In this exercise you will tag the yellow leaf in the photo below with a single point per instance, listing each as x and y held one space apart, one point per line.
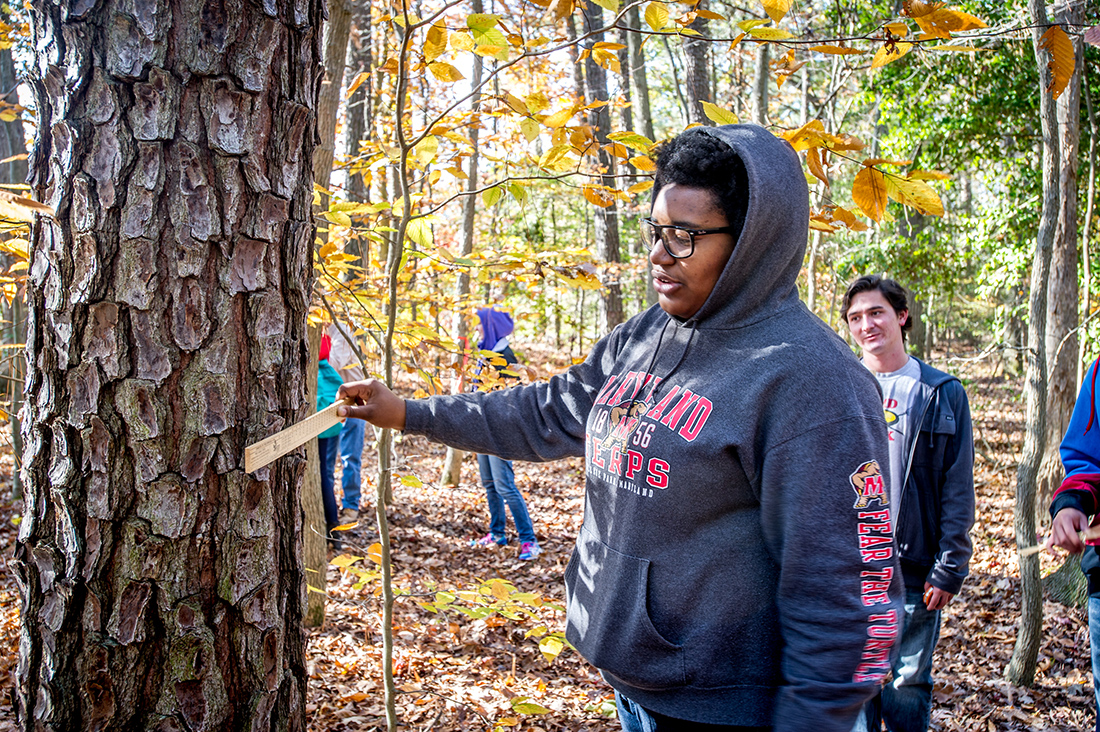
390 67
609 46
327 250
445 72
462 41
640 187
641 162
374 553
515 103
928 175
552 157
937 21
529 128
806 136
612 5
776 9
420 231
618 150
344 560
915 194
411 481
492 195
869 193
435 42
709 15
633 140
607 59
357 82
718 115
426 150
769 34
536 102
837 50
1062 58
551 646
813 162
898 29
890 53
560 118
885 161
656 15
560 9
748 25
819 225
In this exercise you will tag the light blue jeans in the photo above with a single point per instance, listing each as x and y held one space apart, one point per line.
905 704
500 489
1094 644
635 718
351 461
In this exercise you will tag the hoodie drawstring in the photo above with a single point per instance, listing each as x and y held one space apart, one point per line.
1092 395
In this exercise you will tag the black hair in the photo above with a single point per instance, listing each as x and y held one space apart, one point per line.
697 159
893 292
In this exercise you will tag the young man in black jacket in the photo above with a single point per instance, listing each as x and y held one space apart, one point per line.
931 490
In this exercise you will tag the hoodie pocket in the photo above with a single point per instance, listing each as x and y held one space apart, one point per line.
608 622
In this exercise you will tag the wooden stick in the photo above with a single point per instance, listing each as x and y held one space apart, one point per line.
274 447
1092 532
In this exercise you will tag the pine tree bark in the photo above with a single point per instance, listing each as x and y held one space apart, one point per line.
161 586
606 225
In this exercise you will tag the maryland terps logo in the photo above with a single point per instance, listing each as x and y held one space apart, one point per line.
868 483
624 419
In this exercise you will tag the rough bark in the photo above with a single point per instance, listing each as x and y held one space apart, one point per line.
1083 359
160 584
452 461
697 68
1021 667
606 225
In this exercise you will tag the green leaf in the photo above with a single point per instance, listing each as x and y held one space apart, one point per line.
523 705
718 115
482 21
420 231
633 140
518 192
492 195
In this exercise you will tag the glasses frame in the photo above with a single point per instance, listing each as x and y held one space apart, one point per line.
692 233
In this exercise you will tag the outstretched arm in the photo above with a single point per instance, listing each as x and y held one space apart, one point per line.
374 402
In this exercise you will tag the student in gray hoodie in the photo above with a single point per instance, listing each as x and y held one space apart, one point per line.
736 565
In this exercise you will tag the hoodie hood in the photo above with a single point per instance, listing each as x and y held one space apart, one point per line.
495 325
761 274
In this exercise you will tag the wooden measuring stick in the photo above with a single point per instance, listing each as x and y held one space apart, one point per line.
271 448
1092 532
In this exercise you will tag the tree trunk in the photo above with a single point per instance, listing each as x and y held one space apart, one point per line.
452 462
697 68
644 117
359 104
1021 667
606 227
337 32
760 78
161 586
1062 286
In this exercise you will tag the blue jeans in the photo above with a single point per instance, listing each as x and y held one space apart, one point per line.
351 460
905 704
500 488
635 718
1094 644
326 450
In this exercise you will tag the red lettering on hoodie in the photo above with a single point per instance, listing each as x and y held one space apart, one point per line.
698 418
601 398
658 410
658 473
673 418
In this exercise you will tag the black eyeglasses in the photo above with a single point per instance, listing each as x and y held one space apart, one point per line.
678 241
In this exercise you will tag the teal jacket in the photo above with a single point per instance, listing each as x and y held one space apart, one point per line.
328 383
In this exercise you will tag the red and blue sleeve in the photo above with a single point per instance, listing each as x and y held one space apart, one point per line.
1080 451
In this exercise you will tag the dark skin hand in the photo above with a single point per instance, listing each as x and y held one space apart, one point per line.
373 402
1065 531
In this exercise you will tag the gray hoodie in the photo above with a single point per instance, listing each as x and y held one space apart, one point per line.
736 563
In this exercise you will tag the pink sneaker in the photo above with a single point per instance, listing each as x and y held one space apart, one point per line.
528 550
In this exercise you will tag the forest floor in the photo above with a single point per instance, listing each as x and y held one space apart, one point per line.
466 668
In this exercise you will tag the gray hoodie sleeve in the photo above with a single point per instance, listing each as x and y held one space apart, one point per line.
536 422
826 524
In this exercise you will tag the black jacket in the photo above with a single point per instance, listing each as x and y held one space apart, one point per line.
937 501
